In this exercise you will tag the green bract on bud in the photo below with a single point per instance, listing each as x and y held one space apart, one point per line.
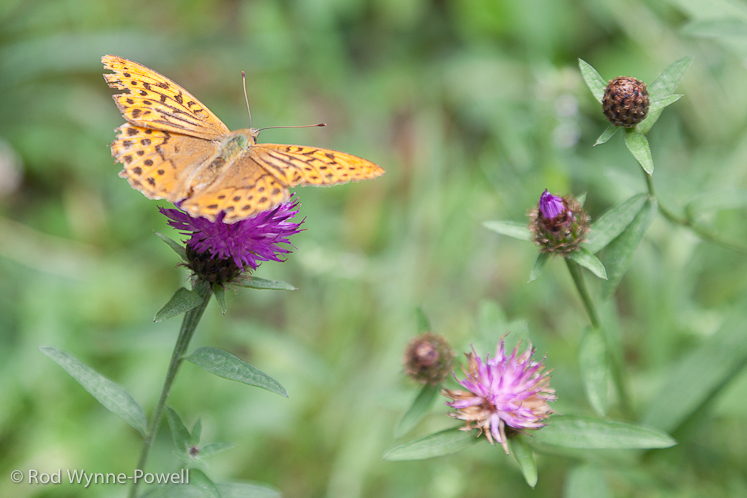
428 358
559 224
625 101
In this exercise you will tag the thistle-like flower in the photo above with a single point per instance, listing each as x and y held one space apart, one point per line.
502 391
559 224
428 358
218 252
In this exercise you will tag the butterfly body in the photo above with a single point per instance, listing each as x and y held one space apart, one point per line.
174 148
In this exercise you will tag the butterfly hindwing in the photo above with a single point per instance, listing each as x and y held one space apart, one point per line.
159 163
296 165
154 101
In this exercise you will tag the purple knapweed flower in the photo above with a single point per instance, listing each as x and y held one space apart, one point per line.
247 242
559 224
502 391
550 206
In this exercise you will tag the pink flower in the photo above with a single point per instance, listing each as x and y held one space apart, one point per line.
502 391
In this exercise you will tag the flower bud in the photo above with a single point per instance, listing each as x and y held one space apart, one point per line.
428 358
625 101
559 224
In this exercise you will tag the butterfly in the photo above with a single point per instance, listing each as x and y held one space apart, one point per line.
173 147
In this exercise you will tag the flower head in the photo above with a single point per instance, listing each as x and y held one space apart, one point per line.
428 358
559 224
625 101
502 391
242 245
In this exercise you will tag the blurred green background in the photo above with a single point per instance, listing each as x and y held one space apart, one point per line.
473 107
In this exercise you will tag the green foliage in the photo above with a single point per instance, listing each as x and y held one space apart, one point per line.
182 301
596 433
441 443
419 409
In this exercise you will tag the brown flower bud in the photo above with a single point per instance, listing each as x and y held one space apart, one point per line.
428 358
625 101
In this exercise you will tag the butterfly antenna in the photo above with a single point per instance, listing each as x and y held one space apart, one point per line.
304 126
243 80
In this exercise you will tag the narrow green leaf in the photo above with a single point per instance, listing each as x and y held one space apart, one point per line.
523 455
607 134
716 201
593 80
182 301
586 481
213 449
248 490
694 380
586 259
439 444
637 144
113 396
595 369
511 228
224 364
664 85
422 321
612 223
539 265
200 481
595 433
729 27
620 251
263 283
176 246
581 199
179 432
220 295
658 105
194 437
419 409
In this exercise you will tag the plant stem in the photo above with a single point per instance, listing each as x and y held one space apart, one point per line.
189 325
688 223
615 362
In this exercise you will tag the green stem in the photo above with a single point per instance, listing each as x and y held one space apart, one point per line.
617 371
688 223
189 325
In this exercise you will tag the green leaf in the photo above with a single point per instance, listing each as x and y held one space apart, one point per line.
607 134
586 259
422 321
595 369
179 432
213 449
220 295
581 199
586 481
224 364
511 228
244 489
729 27
182 301
200 481
694 380
716 201
523 455
539 265
194 438
263 283
176 246
658 105
595 433
612 223
663 86
637 144
439 444
593 80
113 396
620 251
419 409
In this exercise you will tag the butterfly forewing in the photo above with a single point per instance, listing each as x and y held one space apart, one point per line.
296 165
154 101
